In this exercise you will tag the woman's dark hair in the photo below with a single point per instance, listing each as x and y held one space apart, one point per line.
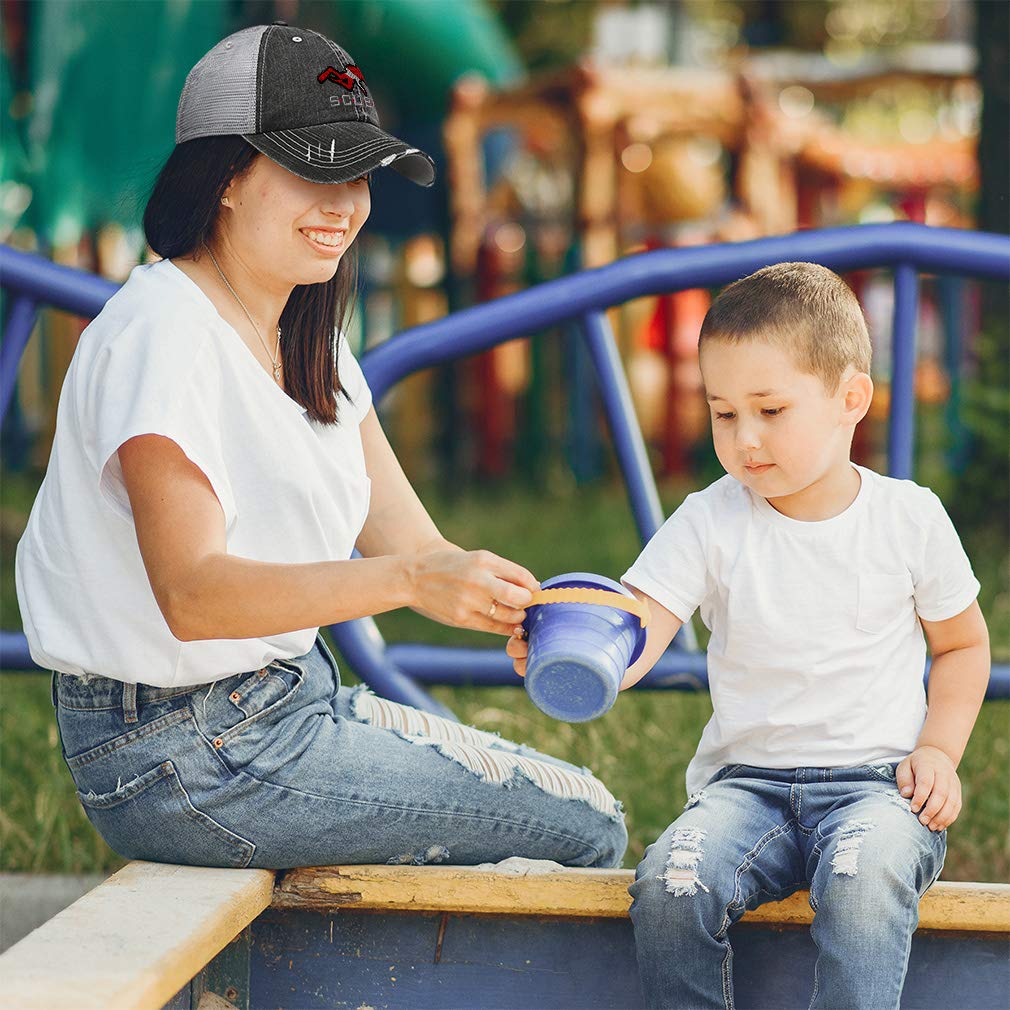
180 215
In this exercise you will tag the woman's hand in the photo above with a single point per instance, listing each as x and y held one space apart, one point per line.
458 588
517 647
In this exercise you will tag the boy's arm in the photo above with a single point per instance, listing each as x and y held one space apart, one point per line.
957 682
660 633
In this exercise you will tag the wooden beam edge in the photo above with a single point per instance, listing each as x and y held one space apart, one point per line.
135 940
947 905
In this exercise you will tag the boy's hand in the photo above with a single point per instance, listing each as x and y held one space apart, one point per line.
517 647
928 776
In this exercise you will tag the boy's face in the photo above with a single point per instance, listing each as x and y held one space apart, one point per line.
798 434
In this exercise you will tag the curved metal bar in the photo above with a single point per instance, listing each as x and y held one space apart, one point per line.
51 283
475 329
364 649
17 330
901 430
459 666
624 427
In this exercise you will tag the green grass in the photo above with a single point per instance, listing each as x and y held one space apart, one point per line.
640 749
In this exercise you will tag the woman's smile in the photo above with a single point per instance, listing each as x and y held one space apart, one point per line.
327 243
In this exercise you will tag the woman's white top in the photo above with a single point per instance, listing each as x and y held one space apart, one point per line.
160 359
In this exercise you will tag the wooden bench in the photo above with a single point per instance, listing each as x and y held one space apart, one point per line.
157 936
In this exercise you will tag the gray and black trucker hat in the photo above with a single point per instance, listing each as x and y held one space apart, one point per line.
298 98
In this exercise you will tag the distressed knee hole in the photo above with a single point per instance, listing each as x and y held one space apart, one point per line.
411 723
506 769
486 755
846 856
681 874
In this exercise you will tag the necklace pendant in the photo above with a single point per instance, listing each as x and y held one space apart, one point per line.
277 373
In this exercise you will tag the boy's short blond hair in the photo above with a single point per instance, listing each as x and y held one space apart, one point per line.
805 309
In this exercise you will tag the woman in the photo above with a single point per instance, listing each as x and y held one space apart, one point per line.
216 460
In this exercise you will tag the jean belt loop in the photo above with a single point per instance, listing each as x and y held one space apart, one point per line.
130 702
52 688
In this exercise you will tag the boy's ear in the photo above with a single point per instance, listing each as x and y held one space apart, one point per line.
858 394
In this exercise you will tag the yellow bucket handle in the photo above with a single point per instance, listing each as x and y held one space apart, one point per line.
600 597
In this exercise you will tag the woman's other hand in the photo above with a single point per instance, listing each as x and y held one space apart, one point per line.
517 647
471 589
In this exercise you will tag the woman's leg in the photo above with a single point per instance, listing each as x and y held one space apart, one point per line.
732 848
267 770
871 862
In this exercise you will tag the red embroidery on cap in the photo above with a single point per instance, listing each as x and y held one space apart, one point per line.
346 78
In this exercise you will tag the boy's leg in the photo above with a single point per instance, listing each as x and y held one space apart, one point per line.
870 861
732 848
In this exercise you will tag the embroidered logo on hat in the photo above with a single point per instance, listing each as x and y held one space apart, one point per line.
347 78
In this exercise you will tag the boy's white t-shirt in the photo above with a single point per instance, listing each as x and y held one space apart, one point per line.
817 656
160 359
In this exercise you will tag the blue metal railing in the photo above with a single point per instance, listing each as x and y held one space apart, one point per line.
397 671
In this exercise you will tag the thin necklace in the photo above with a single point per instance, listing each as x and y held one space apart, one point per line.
275 357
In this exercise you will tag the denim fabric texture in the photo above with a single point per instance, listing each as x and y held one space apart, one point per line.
753 835
284 767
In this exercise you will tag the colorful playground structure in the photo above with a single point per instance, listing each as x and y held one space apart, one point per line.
166 937
606 160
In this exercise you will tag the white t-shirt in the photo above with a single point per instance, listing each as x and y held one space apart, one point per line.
160 359
817 655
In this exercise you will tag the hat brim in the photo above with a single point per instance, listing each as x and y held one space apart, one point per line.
340 152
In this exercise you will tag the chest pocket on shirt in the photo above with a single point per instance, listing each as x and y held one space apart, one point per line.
883 597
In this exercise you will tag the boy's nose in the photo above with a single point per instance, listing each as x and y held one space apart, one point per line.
746 440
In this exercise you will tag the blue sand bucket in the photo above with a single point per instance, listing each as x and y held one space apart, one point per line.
579 651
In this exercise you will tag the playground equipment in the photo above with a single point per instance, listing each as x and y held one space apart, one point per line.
584 632
196 938
398 671
668 156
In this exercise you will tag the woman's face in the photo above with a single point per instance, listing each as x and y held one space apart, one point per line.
271 212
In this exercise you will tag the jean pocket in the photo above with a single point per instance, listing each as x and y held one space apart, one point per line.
79 729
258 697
882 772
152 817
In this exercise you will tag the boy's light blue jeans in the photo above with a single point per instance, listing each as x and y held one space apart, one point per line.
754 835
283 767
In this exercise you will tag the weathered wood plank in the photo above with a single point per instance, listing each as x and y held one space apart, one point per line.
581 892
134 941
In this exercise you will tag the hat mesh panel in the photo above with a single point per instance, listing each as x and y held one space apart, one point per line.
219 96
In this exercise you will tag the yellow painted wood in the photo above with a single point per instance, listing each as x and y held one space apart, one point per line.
134 941
951 905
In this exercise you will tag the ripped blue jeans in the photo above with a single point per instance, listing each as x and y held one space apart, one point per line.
754 835
284 767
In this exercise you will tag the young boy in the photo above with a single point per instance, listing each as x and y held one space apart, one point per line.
821 766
